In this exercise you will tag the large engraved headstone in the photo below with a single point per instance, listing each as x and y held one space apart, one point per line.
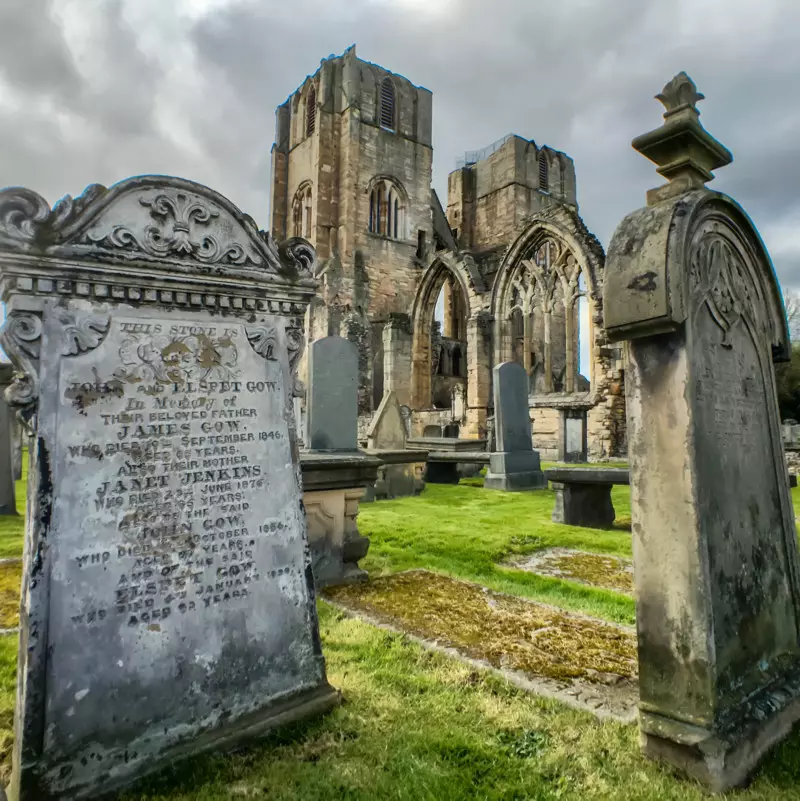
690 284
515 464
168 602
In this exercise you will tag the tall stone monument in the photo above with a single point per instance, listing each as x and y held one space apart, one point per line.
515 464
168 603
8 505
690 285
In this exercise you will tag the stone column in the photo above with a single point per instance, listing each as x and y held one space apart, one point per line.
689 283
397 345
478 376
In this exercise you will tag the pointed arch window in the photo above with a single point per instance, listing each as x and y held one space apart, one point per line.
311 111
387 210
301 211
544 179
387 104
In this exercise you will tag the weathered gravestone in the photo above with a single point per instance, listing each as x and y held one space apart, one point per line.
168 603
690 284
8 504
386 439
335 473
331 417
515 464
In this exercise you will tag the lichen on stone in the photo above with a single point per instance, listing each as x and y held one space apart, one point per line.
503 630
594 569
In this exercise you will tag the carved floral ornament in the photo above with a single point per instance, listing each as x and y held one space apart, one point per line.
151 217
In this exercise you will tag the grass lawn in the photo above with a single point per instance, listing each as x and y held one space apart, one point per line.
417 725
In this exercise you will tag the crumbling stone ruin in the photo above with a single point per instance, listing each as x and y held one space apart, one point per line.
509 263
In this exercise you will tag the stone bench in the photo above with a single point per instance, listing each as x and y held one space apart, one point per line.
583 494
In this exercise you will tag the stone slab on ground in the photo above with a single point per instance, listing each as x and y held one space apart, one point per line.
584 567
584 662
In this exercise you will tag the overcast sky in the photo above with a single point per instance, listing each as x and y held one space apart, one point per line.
97 90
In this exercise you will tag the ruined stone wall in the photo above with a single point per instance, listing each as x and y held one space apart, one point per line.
488 201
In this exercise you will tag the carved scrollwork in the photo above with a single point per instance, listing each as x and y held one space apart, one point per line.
22 213
177 231
295 344
264 340
81 331
299 254
21 337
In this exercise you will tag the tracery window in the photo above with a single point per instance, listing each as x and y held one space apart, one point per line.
545 298
301 211
311 111
387 210
387 104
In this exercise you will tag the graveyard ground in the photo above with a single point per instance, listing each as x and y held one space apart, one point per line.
420 725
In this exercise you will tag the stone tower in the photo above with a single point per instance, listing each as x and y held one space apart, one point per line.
351 172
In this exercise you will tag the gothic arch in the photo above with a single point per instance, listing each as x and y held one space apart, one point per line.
441 270
552 264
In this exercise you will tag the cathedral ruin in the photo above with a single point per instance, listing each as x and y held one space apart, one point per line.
435 296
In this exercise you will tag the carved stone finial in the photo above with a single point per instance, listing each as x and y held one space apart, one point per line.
683 150
678 94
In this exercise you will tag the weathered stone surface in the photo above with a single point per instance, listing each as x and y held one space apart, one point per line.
397 477
164 491
7 435
515 466
714 540
332 412
333 487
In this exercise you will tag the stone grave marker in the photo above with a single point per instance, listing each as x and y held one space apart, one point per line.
689 283
167 602
331 417
387 436
515 464
8 504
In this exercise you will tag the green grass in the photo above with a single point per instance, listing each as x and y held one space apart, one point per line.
420 726
12 528
466 531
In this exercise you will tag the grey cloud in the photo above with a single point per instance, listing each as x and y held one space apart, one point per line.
579 75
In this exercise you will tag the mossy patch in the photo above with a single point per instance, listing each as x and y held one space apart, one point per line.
594 569
505 631
10 580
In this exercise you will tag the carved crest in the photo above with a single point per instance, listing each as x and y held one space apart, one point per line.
150 218
718 278
180 227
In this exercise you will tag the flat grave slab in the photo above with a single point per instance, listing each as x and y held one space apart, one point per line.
586 663
593 569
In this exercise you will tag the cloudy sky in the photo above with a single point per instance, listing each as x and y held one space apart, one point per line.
96 90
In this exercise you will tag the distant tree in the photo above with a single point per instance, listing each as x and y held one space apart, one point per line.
787 375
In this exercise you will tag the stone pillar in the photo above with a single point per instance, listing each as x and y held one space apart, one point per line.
478 376
8 434
397 346
689 283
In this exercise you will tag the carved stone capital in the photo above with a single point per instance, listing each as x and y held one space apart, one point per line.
21 337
